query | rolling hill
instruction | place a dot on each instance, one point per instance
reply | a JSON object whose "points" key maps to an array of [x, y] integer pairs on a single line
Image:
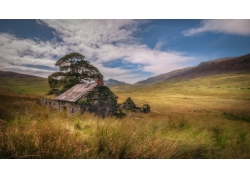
{"points": [[162, 77], [113, 82], [22, 83], [204, 69], [16, 75]]}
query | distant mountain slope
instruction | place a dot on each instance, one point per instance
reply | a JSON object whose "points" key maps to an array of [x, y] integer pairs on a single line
{"points": [[162, 77], [218, 66], [210, 68], [113, 82], [16, 75]]}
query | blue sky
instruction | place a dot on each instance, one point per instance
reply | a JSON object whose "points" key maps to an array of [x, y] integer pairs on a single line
{"points": [[125, 50]]}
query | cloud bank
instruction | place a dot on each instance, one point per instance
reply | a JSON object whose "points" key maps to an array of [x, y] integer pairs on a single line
{"points": [[100, 41], [228, 26]]}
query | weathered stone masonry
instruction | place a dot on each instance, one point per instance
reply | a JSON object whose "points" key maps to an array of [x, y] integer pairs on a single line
{"points": [[89, 97], [60, 105]]}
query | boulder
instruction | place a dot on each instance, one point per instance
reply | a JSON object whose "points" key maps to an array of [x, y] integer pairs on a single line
{"points": [[145, 108]]}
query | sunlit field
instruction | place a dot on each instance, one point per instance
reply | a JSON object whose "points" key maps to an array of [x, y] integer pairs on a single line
{"points": [[199, 118]]}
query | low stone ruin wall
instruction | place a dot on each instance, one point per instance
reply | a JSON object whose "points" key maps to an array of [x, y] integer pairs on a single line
{"points": [[129, 104], [100, 101], [61, 105]]}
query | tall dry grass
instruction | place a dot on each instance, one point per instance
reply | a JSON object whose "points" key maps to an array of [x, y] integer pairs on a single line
{"points": [[30, 130]]}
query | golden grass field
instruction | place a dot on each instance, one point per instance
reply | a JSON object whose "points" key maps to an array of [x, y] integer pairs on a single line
{"points": [[199, 118]]}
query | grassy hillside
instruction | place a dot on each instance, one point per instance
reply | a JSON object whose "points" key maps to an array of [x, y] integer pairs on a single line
{"points": [[35, 86], [206, 69], [162, 77], [199, 118], [216, 95], [227, 86]]}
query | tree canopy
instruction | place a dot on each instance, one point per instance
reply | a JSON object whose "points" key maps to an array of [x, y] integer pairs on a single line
{"points": [[73, 69]]}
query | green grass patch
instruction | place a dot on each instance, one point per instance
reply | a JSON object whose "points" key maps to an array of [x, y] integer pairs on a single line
{"points": [[34, 86]]}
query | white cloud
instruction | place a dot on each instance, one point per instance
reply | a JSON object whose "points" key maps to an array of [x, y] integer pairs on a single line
{"points": [[25, 70], [228, 26], [107, 40], [100, 41], [26, 51], [160, 43]]}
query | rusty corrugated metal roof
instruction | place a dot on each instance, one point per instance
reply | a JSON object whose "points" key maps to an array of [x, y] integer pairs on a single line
{"points": [[76, 92]]}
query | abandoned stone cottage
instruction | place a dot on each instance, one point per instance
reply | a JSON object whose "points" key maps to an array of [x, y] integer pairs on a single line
{"points": [[91, 97]]}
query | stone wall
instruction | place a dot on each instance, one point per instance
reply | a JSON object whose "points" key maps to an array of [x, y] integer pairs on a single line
{"points": [[100, 101], [61, 105]]}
